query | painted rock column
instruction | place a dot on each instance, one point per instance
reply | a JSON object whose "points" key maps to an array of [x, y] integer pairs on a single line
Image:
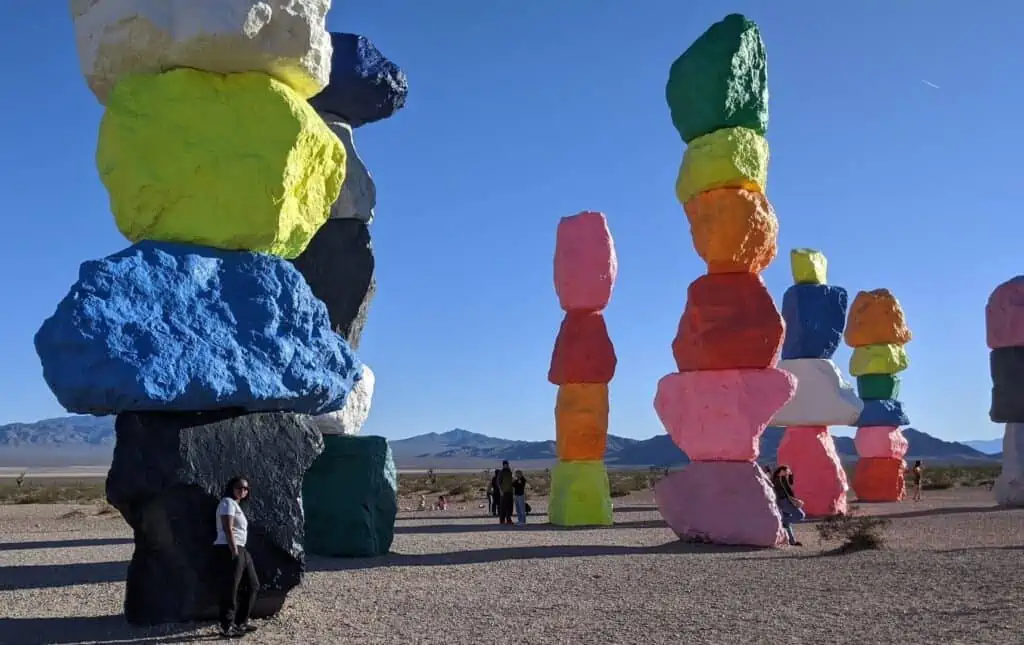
{"points": [[815, 313], [582, 364], [877, 331], [1004, 319], [727, 388]]}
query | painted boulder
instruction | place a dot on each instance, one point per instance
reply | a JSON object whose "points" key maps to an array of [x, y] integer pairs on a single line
{"points": [[722, 503], [358, 195], [1009, 486], [885, 412], [881, 442], [1006, 366], [809, 266], [585, 262], [365, 86], [580, 494], [818, 476], [168, 327], [733, 230], [814, 315], [878, 359], [879, 480], [823, 397], [719, 415], [1004, 315], [581, 421], [878, 386], [350, 419], [727, 158], [583, 350], [876, 318]]}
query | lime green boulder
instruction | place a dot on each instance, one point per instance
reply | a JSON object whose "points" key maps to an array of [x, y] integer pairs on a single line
{"points": [[721, 81], [878, 359], [878, 387], [579, 494], [727, 158], [235, 162], [809, 266]]}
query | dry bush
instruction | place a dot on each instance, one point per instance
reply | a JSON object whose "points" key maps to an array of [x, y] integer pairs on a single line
{"points": [[53, 493], [855, 532]]}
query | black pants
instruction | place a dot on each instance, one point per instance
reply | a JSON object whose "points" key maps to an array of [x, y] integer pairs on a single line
{"points": [[240, 586], [495, 499], [505, 510]]}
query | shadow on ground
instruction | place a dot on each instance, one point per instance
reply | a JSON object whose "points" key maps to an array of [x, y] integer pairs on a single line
{"points": [[63, 544], [87, 629], [954, 510], [538, 525], [60, 575]]}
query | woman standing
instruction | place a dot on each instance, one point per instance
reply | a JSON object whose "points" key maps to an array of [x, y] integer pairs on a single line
{"points": [[236, 564], [519, 494], [791, 508], [918, 473]]}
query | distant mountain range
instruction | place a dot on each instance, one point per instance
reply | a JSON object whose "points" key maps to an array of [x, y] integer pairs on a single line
{"points": [[987, 446], [86, 440]]}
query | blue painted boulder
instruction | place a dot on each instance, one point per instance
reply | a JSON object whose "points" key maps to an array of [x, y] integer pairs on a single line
{"points": [[171, 327], [882, 412], [815, 315], [365, 86]]}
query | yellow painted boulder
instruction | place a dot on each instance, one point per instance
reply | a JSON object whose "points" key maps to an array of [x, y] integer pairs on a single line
{"points": [[726, 158], [580, 495], [889, 358], [235, 162], [809, 266], [581, 421]]}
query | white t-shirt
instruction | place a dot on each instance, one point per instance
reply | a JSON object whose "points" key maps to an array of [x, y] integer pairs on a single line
{"points": [[240, 528]]}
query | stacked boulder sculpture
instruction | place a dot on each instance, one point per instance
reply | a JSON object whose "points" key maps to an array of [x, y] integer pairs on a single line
{"points": [[582, 364], [203, 339], [815, 313], [728, 386], [338, 264], [1004, 321], [877, 331]]}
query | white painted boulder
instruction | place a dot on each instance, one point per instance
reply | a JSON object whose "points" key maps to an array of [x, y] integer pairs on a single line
{"points": [[1009, 488], [350, 419], [823, 397], [359, 194], [286, 39]]}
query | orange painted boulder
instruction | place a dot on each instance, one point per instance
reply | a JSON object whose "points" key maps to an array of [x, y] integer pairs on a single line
{"points": [[876, 318], [881, 442], [730, 322], [879, 480], [583, 350], [818, 476], [734, 230], [585, 262], [581, 421], [719, 415]]}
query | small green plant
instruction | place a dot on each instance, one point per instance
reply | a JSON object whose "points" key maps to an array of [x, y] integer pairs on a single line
{"points": [[854, 532]]}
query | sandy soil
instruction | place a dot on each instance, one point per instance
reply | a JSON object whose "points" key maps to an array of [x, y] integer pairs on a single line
{"points": [[951, 575]]}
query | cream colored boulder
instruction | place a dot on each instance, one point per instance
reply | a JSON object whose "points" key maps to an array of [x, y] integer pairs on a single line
{"points": [[350, 419], [823, 397], [359, 194]]}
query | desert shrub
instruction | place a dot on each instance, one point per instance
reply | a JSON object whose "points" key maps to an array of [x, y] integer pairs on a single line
{"points": [[624, 483], [854, 532], [53, 493]]}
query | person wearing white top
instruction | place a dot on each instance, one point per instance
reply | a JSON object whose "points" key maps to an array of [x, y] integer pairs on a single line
{"points": [[236, 563]]}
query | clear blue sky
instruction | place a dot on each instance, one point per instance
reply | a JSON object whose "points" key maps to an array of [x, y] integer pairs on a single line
{"points": [[520, 113]]}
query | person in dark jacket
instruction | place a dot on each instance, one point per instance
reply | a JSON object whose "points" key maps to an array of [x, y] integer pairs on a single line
{"points": [[494, 494], [505, 479], [791, 508], [519, 495]]}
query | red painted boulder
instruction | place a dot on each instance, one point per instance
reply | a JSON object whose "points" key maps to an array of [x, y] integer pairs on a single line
{"points": [[879, 480], [881, 442], [583, 350], [1004, 315], [818, 476], [585, 262], [722, 503], [730, 322], [719, 415]]}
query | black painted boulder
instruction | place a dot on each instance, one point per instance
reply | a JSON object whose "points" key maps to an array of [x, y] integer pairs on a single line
{"points": [[168, 473], [338, 266], [1007, 367], [364, 86]]}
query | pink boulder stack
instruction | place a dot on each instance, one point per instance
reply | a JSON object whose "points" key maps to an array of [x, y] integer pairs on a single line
{"points": [[881, 442], [819, 479], [585, 262], [1004, 315]]}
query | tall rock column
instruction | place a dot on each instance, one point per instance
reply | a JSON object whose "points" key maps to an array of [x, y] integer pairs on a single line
{"points": [[1004, 319], [582, 364], [727, 388], [201, 337], [815, 313], [877, 331], [364, 87]]}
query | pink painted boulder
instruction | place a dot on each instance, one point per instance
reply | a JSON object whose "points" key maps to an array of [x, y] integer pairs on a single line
{"points": [[881, 442], [722, 503], [1004, 315], [818, 476], [719, 415], [585, 262]]}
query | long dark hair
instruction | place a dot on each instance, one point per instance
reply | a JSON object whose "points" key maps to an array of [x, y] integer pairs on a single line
{"points": [[229, 490], [778, 471]]}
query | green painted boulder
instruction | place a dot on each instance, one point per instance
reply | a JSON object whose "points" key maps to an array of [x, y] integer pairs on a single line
{"points": [[871, 387], [580, 494], [721, 81]]}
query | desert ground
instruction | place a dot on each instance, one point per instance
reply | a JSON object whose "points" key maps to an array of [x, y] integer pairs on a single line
{"points": [[950, 573]]}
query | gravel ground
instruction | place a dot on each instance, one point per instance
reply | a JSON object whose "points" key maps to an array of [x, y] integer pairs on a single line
{"points": [[951, 574]]}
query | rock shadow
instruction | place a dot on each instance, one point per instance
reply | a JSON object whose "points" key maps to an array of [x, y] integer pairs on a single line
{"points": [[61, 575], [953, 510], [89, 629], [63, 544], [538, 526]]}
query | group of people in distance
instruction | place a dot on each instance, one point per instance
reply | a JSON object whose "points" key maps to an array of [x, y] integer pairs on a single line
{"points": [[507, 493]]}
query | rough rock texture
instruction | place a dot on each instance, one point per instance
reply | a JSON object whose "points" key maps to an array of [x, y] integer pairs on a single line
{"points": [[881, 442], [879, 480], [885, 412], [358, 195], [721, 502], [1006, 365], [823, 397], [167, 476], [719, 415], [339, 267], [580, 494], [733, 230], [1009, 486], [350, 495], [730, 322], [876, 318], [286, 39], [365, 86], [878, 386], [254, 169], [581, 421], [350, 419], [878, 359], [728, 158], [720, 81], [818, 476], [585, 262], [814, 315], [809, 266], [1004, 315], [583, 350], [170, 327]]}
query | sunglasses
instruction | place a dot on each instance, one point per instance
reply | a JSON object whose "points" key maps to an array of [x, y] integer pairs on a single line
{"points": [[241, 488]]}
